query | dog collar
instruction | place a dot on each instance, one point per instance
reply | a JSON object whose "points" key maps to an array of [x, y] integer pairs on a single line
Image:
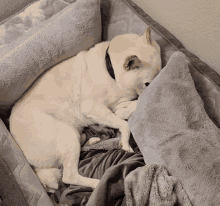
{"points": [[109, 64]]}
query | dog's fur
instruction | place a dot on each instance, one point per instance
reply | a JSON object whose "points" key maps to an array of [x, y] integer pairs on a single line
{"points": [[47, 122]]}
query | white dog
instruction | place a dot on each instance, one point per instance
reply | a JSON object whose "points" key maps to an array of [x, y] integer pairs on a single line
{"points": [[94, 87]]}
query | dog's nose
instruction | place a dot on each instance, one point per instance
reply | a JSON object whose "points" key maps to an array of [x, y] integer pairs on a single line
{"points": [[147, 83]]}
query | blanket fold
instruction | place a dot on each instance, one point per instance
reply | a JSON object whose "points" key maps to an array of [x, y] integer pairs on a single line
{"points": [[151, 185], [124, 181], [111, 167]]}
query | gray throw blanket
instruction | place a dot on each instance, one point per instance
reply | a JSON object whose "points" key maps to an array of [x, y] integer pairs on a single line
{"points": [[172, 128], [151, 185]]}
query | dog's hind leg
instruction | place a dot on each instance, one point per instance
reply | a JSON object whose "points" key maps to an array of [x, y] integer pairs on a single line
{"points": [[70, 170], [69, 146]]}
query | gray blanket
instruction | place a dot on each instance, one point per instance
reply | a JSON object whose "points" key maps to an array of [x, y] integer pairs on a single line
{"points": [[151, 185], [172, 128]]}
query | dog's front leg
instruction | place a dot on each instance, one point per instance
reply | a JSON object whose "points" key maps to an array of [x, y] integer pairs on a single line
{"points": [[102, 115], [125, 109]]}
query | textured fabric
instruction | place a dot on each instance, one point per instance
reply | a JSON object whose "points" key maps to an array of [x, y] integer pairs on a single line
{"points": [[111, 167], [10, 193], [108, 138], [31, 16], [125, 180], [172, 128], [151, 185], [77, 27], [124, 16], [19, 169], [10, 7]]}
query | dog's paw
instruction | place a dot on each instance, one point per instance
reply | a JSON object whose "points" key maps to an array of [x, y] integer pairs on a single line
{"points": [[126, 148], [92, 140], [125, 109], [50, 178]]}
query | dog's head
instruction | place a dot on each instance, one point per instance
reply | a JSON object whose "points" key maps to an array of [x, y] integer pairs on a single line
{"points": [[136, 60]]}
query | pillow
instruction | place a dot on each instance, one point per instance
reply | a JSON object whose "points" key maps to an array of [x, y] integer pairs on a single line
{"points": [[77, 27], [171, 127]]}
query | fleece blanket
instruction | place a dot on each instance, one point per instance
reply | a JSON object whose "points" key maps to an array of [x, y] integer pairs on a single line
{"points": [[111, 167], [172, 128], [152, 185], [124, 180]]}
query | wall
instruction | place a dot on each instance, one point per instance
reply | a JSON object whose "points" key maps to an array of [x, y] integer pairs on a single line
{"points": [[196, 23]]}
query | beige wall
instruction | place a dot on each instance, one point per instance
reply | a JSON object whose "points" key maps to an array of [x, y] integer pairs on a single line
{"points": [[196, 23]]}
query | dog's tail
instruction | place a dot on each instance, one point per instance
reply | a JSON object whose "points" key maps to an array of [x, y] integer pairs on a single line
{"points": [[49, 177]]}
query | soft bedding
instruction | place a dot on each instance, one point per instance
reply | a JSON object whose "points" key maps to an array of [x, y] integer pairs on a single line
{"points": [[172, 128], [132, 179], [111, 167], [124, 180], [152, 185]]}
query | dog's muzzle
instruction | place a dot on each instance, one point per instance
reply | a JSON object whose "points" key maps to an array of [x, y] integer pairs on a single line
{"points": [[147, 84]]}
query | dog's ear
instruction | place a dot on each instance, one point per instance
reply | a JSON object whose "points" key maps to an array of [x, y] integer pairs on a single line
{"points": [[147, 36], [132, 62]]}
